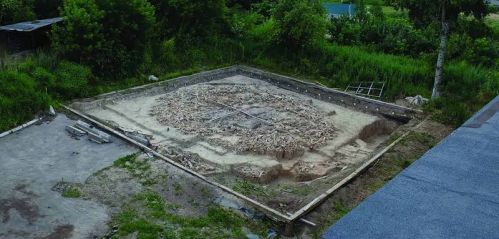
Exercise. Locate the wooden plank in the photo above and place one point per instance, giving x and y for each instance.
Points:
(274, 214)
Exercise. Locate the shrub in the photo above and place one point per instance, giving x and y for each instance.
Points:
(71, 192)
(449, 111)
(394, 36)
(109, 35)
(61, 80)
(300, 24)
(71, 80)
(44, 78)
(20, 99)
(191, 20)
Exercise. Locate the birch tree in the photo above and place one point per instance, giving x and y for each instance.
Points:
(445, 13)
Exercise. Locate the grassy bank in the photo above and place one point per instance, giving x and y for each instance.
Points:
(41, 80)
(465, 88)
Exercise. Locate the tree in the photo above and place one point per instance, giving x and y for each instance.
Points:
(109, 35)
(300, 23)
(246, 4)
(15, 11)
(188, 19)
(446, 13)
(47, 8)
(80, 37)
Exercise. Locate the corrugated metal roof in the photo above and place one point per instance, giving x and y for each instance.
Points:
(451, 192)
(30, 25)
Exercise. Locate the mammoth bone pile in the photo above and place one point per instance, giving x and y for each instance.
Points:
(246, 118)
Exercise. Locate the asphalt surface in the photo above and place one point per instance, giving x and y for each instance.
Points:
(32, 161)
(451, 192)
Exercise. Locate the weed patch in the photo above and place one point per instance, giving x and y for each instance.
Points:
(149, 215)
(248, 188)
(139, 168)
(71, 192)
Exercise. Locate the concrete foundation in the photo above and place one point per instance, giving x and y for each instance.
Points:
(240, 123)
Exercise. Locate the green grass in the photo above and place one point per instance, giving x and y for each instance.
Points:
(132, 164)
(301, 190)
(394, 137)
(424, 138)
(340, 209)
(249, 189)
(71, 192)
(492, 21)
(149, 215)
(140, 169)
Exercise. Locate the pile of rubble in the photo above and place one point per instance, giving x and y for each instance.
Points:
(263, 122)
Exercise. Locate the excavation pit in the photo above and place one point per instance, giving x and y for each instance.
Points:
(279, 145)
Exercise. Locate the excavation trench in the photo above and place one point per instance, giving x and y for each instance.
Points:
(240, 129)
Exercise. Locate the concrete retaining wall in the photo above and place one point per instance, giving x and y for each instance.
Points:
(358, 103)
(342, 98)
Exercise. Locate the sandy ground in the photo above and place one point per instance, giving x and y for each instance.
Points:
(345, 148)
(35, 159)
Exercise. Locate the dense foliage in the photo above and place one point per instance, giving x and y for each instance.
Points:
(300, 24)
(12, 11)
(472, 40)
(15, 10)
(111, 44)
(191, 20)
(109, 35)
(20, 98)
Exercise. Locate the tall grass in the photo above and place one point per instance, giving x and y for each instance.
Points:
(20, 98)
(465, 88)
(38, 80)
(403, 76)
(337, 66)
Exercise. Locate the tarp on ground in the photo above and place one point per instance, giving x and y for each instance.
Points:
(451, 192)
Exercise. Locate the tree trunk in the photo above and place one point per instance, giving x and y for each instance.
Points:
(441, 55)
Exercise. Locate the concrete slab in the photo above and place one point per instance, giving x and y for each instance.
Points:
(32, 161)
(451, 192)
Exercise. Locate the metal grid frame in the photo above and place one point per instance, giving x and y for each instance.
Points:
(369, 89)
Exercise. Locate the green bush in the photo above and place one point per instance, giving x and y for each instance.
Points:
(20, 99)
(71, 80)
(71, 192)
(111, 36)
(61, 80)
(394, 36)
(45, 79)
(449, 111)
(301, 24)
